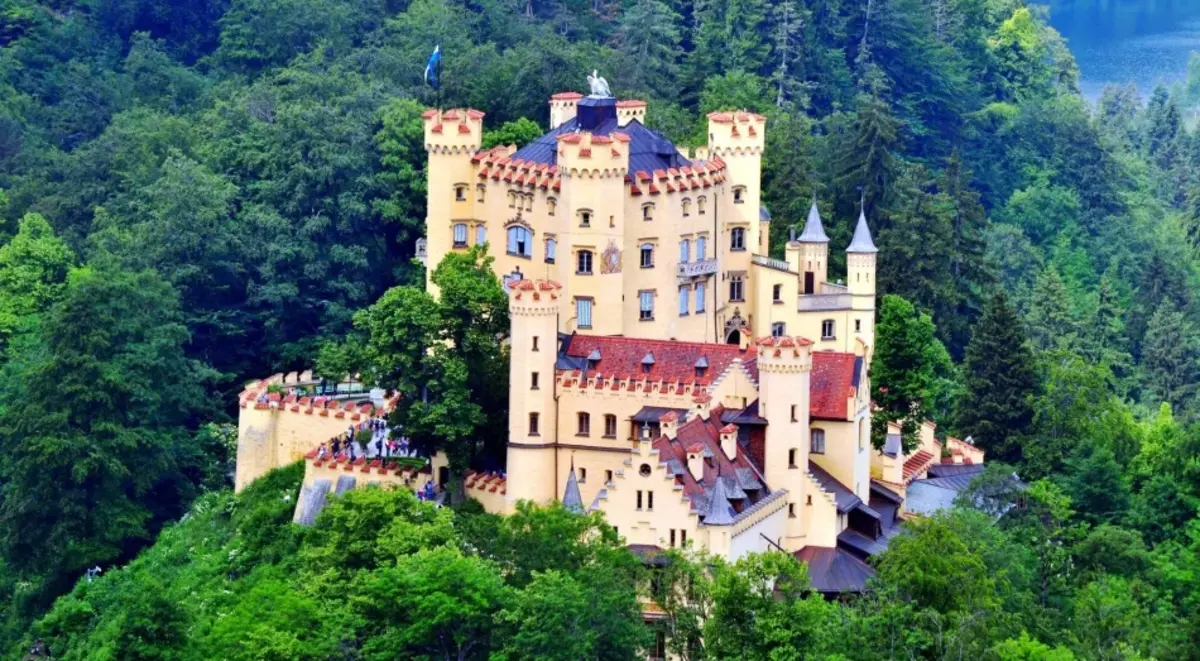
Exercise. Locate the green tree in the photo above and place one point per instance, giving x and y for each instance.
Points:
(650, 40)
(401, 144)
(1051, 322)
(33, 274)
(519, 132)
(1028, 649)
(934, 568)
(903, 370)
(1000, 382)
(1169, 358)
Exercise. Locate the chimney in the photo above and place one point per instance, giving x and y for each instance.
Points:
(670, 424)
(729, 441)
(703, 403)
(695, 456)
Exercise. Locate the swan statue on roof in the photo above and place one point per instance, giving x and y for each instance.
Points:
(599, 86)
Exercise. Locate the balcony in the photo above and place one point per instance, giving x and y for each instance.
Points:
(698, 268)
(770, 262)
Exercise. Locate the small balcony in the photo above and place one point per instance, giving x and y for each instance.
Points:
(771, 263)
(698, 268)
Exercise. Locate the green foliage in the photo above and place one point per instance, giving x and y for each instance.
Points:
(517, 133)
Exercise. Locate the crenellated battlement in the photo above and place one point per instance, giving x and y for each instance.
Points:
(497, 164)
(736, 133)
(455, 131)
(584, 154)
(698, 176)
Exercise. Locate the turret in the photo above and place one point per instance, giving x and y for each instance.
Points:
(629, 110)
(563, 108)
(784, 366)
(860, 276)
(451, 139)
(738, 139)
(532, 408)
(808, 253)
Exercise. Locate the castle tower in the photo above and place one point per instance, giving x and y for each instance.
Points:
(592, 169)
(808, 254)
(784, 366)
(532, 408)
(451, 139)
(738, 139)
(860, 276)
(563, 107)
(630, 109)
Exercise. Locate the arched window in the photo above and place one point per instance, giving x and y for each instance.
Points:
(583, 262)
(647, 255)
(512, 199)
(818, 441)
(687, 207)
(701, 248)
(551, 204)
(460, 235)
(739, 194)
(701, 202)
(529, 202)
(480, 235)
(551, 249)
(480, 192)
(520, 242)
(685, 250)
(610, 426)
(584, 425)
(737, 239)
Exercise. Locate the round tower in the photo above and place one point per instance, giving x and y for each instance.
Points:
(451, 139)
(737, 138)
(860, 276)
(784, 367)
(532, 408)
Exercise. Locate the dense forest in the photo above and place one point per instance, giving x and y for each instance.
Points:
(197, 193)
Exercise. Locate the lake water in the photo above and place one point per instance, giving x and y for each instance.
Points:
(1120, 41)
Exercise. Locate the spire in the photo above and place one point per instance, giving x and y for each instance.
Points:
(814, 231)
(862, 242)
(572, 499)
(719, 512)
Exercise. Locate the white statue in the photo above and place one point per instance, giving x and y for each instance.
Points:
(599, 85)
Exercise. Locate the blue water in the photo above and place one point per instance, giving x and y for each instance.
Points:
(1119, 41)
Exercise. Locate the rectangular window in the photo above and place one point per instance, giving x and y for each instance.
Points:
(583, 264)
(791, 510)
(610, 426)
(827, 329)
(585, 424)
(682, 537)
(778, 329)
(795, 418)
(583, 475)
(646, 306)
(672, 538)
(736, 289)
(607, 476)
(535, 347)
(737, 239)
(460, 193)
(533, 424)
(701, 247)
(460, 235)
(481, 190)
(533, 381)
(585, 218)
(583, 312)
(777, 293)
(858, 325)
(792, 458)
(649, 501)
(639, 501)
(700, 297)
(818, 441)
(551, 248)
(684, 294)
(685, 251)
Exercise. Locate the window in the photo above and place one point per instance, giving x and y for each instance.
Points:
(777, 293)
(583, 312)
(687, 207)
(460, 235)
(700, 297)
(818, 441)
(480, 192)
(648, 211)
(792, 458)
(778, 329)
(737, 239)
(533, 381)
(736, 288)
(551, 248)
(585, 218)
(858, 325)
(795, 413)
(512, 199)
(649, 501)
(529, 202)
(520, 242)
(533, 424)
(701, 202)
(644, 470)
(684, 294)
(646, 306)
(791, 510)
(584, 427)
(535, 346)
(610, 426)
(739, 194)
(682, 537)
(583, 475)
(480, 235)
(551, 204)
(460, 193)
(685, 251)
(607, 476)
(647, 255)
(827, 329)
(672, 538)
(701, 247)
(583, 262)
(639, 500)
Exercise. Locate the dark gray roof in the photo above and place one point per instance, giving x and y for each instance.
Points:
(719, 512)
(746, 416)
(814, 231)
(878, 489)
(951, 470)
(834, 570)
(862, 242)
(861, 545)
(748, 480)
(653, 413)
(648, 150)
(763, 214)
(892, 445)
(845, 499)
(930, 496)
(572, 500)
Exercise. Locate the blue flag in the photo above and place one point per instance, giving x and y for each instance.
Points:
(433, 68)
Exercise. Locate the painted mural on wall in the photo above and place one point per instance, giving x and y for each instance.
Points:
(610, 259)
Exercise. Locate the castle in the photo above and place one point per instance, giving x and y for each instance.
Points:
(664, 370)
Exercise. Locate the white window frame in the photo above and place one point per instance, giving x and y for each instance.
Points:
(591, 262)
(685, 294)
(828, 329)
(460, 235)
(646, 306)
(583, 312)
(700, 302)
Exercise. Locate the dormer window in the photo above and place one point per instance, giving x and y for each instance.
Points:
(647, 362)
(701, 366)
(593, 359)
(739, 194)
(585, 218)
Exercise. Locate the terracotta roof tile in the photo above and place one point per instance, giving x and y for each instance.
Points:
(832, 384)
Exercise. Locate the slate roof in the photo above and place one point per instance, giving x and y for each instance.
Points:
(648, 150)
(655, 413)
(930, 496)
(844, 497)
(814, 231)
(572, 500)
(746, 416)
(951, 470)
(834, 570)
(861, 242)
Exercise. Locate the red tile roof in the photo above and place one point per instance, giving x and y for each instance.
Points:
(832, 385)
(694, 436)
(621, 357)
(916, 463)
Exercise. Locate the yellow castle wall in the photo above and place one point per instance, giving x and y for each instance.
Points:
(272, 437)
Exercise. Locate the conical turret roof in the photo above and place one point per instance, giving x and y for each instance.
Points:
(862, 242)
(572, 499)
(814, 231)
(719, 512)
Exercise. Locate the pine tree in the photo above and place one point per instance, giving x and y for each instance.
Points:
(1103, 340)
(904, 370)
(1051, 325)
(1000, 376)
(1169, 359)
(650, 37)
(864, 158)
(787, 32)
(968, 266)
(1163, 125)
